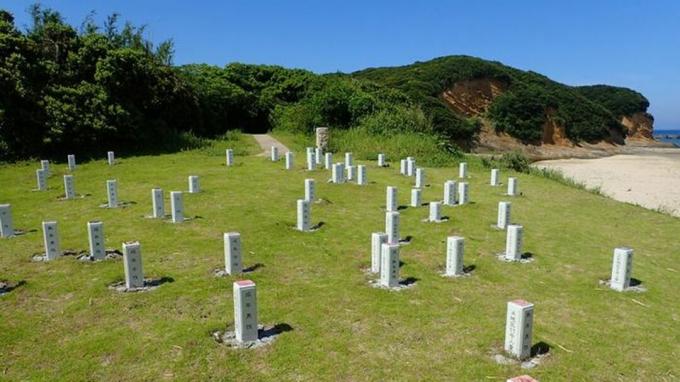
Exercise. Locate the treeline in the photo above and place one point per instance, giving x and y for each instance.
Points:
(97, 87)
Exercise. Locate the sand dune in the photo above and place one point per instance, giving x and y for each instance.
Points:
(650, 178)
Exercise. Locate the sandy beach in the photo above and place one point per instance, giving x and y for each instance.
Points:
(649, 177)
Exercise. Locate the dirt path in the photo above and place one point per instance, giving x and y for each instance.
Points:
(266, 141)
(651, 180)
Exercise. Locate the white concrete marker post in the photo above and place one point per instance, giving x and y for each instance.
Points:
(328, 161)
(463, 194)
(420, 178)
(132, 263)
(318, 155)
(377, 240)
(95, 237)
(361, 175)
(51, 240)
(112, 193)
(71, 159)
(351, 173)
(462, 170)
(177, 206)
(391, 203)
(455, 245)
(494, 177)
(622, 268)
(435, 212)
(157, 203)
(289, 160)
(392, 227)
(69, 187)
(512, 186)
(245, 311)
(518, 329)
(503, 215)
(6, 224)
(381, 160)
(41, 179)
(233, 264)
(348, 159)
(389, 265)
(311, 160)
(310, 194)
(410, 166)
(402, 167)
(450, 193)
(229, 156)
(513, 242)
(416, 197)
(111, 158)
(303, 215)
(45, 165)
(274, 153)
(338, 173)
(194, 186)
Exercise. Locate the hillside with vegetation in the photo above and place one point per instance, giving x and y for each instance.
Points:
(85, 90)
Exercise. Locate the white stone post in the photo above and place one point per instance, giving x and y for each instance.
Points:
(232, 253)
(622, 268)
(6, 224)
(389, 265)
(348, 159)
(350, 173)
(95, 237)
(132, 263)
(402, 167)
(322, 137)
(512, 186)
(338, 173)
(310, 190)
(112, 193)
(45, 165)
(41, 179)
(513, 242)
(51, 240)
(392, 227)
(328, 161)
(455, 245)
(274, 154)
(462, 170)
(229, 154)
(410, 166)
(377, 240)
(71, 159)
(177, 206)
(303, 215)
(158, 203)
(518, 329)
(289, 160)
(311, 161)
(69, 187)
(416, 197)
(381, 160)
(111, 158)
(503, 215)
(361, 175)
(463, 194)
(450, 193)
(318, 155)
(194, 187)
(494, 177)
(420, 178)
(435, 212)
(391, 203)
(245, 311)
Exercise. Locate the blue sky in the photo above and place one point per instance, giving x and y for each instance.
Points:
(619, 42)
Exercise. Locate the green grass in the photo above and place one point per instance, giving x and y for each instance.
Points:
(64, 323)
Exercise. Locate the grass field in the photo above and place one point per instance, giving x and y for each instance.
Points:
(65, 324)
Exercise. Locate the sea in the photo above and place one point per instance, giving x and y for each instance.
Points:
(672, 136)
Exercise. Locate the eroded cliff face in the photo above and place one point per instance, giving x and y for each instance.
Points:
(639, 125)
(473, 97)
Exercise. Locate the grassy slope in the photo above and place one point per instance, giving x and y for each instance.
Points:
(65, 322)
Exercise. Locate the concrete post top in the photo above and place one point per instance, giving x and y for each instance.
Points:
(230, 234)
(522, 303)
(94, 222)
(49, 222)
(130, 243)
(244, 283)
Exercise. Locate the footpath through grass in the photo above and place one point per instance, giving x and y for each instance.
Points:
(65, 324)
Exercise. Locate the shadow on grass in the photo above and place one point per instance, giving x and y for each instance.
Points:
(253, 268)
(634, 282)
(539, 348)
(469, 268)
(408, 281)
(527, 256)
(402, 207)
(274, 330)
(159, 281)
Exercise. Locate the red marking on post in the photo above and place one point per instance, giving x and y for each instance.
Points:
(521, 302)
(244, 283)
